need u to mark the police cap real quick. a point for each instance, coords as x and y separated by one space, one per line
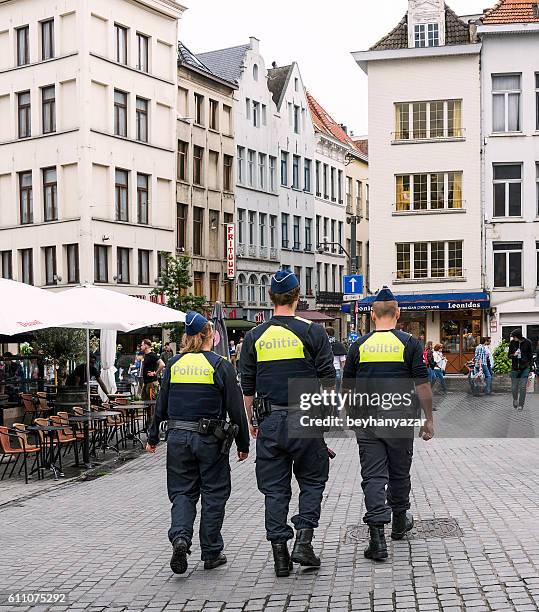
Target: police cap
283 281
194 323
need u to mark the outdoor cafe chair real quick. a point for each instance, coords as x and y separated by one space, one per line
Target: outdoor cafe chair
44 407
30 405
66 437
14 453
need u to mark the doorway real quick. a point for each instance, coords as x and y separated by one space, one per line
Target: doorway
460 334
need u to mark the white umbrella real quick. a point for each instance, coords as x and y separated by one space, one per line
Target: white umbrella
26 308
107 353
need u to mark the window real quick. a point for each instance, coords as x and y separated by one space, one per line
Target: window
227 115
251 226
262 229
143 267
142 198
273 231
255 72
308 234
537 186
264 115
333 236
284 230
508 190
122 195
142 119
198 153
507 264
72 252
308 281
251 289
422 120
199 109
307 165
536 259
101 264
47 39
248 108
182 160
120 113
332 174
435 191
227 172
340 237
317 179
23 45
272 180
284 168
264 286
506 102
122 265
198 283
25 125
48 109
251 157
427 35
213 170
262 170
359 196
429 260
295 171
297 120
241 226
241 164
214 115
214 287
339 186
49 256
7 264
296 233
256 114
537 101
121 44
25 198
325 179
240 288
181 226
27 266
50 193
198 228
349 194
143 57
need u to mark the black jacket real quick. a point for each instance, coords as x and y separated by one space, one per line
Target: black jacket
526 358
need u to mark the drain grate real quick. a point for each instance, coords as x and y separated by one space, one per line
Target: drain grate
428 528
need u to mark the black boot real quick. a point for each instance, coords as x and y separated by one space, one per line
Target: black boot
402 523
281 558
303 552
213 563
377 548
178 561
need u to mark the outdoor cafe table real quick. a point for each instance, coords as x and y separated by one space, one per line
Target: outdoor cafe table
49 450
100 417
131 411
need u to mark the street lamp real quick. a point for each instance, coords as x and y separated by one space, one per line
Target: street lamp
324 246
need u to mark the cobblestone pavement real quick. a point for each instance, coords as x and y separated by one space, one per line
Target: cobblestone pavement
104 542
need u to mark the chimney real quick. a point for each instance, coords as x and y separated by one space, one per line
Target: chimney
344 128
274 64
254 43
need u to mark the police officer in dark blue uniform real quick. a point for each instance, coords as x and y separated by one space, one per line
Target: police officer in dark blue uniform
388 361
199 389
284 351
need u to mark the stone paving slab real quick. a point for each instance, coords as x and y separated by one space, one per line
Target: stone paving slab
104 542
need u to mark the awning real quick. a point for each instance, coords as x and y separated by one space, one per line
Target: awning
314 315
239 324
431 301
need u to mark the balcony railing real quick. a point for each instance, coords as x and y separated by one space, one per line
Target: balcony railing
252 250
241 250
422 276
263 252
274 254
428 135
423 208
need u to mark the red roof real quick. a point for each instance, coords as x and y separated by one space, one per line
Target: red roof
512 11
325 124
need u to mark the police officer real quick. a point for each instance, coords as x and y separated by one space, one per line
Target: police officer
283 351
198 390
385 360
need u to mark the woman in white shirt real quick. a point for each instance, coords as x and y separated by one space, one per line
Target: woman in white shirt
439 368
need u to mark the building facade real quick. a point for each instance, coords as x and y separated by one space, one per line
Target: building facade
510 85
206 175
425 176
88 161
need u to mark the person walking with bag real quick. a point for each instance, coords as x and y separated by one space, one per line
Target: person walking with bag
440 363
482 363
521 354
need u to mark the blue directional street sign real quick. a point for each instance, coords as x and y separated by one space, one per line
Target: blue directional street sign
353 284
353 336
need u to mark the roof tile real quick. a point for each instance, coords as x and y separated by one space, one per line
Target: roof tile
512 11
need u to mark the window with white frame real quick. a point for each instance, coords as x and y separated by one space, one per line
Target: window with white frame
429 260
252 221
428 120
507 264
121 43
308 234
241 288
251 289
307 165
536 259
295 171
241 164
426 35
273 231
284 168
262 222
49 255
432 191
537 186
262 157
297 120
507 190
47 39
297 230
251 171
241 226
143 52
537 101
284 230
27 266
143 267
506 92
256 114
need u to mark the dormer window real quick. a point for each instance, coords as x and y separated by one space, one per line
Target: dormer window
427 35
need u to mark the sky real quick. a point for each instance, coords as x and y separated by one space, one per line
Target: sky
318 35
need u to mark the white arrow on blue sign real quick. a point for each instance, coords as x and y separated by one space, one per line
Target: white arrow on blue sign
352 284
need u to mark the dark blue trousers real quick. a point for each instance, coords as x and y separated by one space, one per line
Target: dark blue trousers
385 474
277 456
196 468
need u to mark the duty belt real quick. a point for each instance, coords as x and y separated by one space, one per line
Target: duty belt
203 426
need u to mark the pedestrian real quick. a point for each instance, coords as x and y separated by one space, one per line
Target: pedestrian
151 368
521 354
199 390
167 353
440 364
79 376
428 359
239 347
286 352
384 359
482 363
232 352
339 355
